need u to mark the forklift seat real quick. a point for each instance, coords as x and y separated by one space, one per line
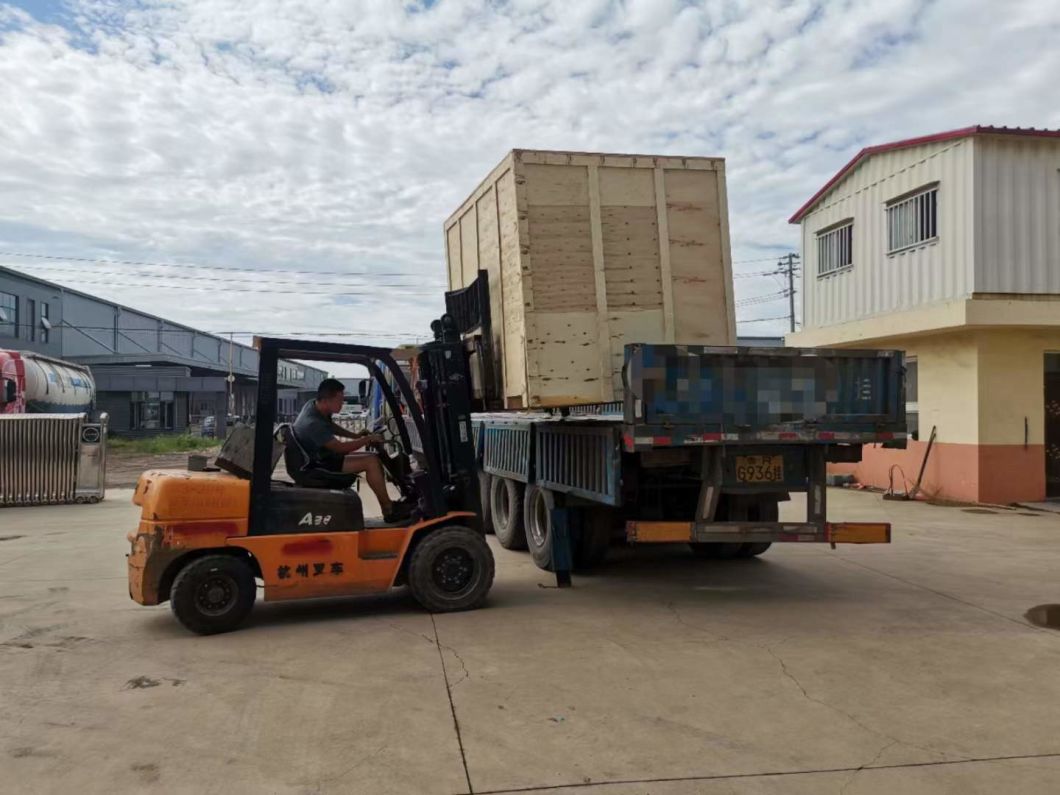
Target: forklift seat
302 469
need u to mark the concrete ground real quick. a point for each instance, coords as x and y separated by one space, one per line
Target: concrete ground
862 670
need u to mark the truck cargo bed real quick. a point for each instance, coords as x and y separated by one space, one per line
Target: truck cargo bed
788 408
693 395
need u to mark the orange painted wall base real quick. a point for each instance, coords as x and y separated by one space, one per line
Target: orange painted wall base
994 473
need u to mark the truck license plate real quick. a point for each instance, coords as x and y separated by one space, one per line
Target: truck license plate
760 468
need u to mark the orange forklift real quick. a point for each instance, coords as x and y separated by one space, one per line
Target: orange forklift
206 538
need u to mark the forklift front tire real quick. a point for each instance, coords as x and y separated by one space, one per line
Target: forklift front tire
451 569
213 594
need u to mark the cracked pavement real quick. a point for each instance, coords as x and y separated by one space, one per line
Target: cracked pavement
860 670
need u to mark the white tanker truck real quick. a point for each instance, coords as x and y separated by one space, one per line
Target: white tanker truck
31 383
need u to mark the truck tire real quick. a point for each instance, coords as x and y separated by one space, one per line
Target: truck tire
716 550
506 510
213 594
451 569
537 519
765 511
762 511
591 549
484 501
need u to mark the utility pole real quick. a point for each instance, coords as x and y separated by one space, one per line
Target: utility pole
790 268
230 380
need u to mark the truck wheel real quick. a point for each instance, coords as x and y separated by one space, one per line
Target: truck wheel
595 541
766 511
716 550
484 501
213 594
537 518
506 508
451 569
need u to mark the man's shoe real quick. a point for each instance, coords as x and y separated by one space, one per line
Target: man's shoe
398 511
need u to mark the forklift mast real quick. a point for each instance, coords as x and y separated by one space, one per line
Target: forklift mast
444 386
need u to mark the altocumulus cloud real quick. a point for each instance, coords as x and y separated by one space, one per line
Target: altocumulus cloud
328 135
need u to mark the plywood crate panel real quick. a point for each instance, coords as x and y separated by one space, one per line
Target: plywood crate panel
588 252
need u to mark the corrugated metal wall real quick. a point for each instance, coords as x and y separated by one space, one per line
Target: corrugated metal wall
1017 181
877 282
38 458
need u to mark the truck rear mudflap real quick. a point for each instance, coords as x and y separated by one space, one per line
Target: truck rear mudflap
638 532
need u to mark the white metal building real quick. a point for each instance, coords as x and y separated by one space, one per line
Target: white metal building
948 247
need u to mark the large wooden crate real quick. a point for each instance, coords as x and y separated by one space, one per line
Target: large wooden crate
587 252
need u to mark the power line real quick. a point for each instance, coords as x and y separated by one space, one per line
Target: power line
145 263
763 319
753 273
233 289
736 262
224 279
61 326
762 299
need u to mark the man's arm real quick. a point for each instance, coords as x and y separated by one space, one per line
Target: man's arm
338 430
352 446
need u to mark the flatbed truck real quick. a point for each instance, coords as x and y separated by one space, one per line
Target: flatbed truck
705 445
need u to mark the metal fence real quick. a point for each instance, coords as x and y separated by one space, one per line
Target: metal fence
51 458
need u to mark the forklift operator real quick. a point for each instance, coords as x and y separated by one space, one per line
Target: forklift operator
318 434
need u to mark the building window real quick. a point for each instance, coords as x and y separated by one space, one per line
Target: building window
912 220
835 249
31 322
45 323
912 407
8 315
152 411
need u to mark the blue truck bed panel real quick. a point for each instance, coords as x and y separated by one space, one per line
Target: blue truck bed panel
505 449
583 460
686 394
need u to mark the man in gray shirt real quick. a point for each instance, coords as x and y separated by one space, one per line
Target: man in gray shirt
319 435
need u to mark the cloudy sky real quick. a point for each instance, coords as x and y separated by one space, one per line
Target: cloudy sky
298 157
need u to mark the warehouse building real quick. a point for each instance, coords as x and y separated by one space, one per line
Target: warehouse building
948 247
152 375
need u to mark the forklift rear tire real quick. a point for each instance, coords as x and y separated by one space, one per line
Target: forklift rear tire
451 569
213 594
484 481
506 509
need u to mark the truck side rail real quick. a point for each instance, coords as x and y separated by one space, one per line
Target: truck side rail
505 448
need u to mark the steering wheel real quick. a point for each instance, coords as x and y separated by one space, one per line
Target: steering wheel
395 463
390 430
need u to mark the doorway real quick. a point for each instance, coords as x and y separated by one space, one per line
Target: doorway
1052 425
